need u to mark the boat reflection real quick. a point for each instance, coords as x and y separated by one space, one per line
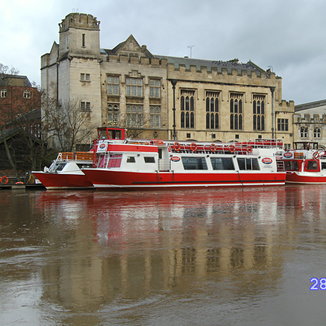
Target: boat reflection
132 245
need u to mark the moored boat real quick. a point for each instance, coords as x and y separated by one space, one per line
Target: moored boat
65 172
158 164
304 166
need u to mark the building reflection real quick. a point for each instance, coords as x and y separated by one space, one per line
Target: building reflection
130 245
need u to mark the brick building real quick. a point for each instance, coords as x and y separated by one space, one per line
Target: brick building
20 122
17 96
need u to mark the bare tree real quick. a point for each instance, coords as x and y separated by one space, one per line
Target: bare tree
135 127
21 136
66 124
5 70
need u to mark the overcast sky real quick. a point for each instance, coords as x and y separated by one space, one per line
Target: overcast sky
287 36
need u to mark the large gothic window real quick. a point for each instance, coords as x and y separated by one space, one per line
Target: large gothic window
134 115
236 115
134 87
259 112
212 110
187 107
113 85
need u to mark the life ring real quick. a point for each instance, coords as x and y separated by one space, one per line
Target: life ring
315 155
4 180
193 147
177 146
231 148
212 148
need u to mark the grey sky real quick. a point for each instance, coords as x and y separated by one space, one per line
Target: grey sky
286 35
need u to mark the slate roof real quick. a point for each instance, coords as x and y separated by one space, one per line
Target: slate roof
219 65
186 61
310 105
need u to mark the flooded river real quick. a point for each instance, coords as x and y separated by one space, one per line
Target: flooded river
242 257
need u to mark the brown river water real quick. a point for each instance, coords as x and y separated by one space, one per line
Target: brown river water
242 257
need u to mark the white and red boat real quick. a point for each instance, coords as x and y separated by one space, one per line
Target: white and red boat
156 163
65 172
304 166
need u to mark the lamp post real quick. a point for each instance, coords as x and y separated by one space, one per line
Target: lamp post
273 113
174 82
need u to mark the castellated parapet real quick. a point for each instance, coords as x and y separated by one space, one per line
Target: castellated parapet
286 106
243 73
307 118
123 58
81 21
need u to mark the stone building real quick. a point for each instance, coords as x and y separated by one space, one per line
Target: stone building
157 96
310 124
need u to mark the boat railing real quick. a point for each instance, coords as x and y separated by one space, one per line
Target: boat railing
76 156
209 148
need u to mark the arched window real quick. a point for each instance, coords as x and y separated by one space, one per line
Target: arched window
187 108
212 107
236 117
258 110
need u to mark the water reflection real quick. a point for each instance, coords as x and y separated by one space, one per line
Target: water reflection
93 258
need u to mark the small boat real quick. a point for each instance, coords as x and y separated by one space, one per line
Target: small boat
160 164
304 166
65 172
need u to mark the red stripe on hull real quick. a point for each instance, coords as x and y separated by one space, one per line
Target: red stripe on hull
295 178
55 180
108 179
132 148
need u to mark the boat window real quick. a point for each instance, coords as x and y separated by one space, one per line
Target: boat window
248 163
291 165
131 159
323 165
59 166
194 163
312 165
149 159
222 163
115 161
84 165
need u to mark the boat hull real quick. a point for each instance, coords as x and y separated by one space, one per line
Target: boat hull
62 181
305 178
102 178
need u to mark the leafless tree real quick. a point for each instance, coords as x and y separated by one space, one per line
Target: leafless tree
135 128
20 133
5 70
66 124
